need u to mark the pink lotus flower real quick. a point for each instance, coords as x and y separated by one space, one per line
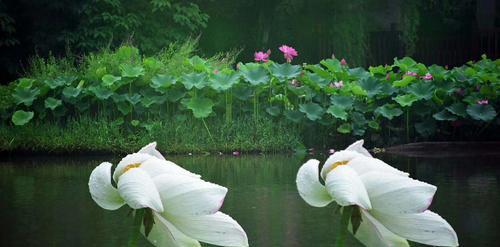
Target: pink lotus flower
482 101
236 153
338 84
387 76
343 62
216 71
411 73
262 56
288 52
427 76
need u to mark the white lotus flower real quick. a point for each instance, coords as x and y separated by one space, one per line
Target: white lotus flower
185 208
393 207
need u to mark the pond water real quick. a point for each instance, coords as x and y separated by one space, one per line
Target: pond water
44 201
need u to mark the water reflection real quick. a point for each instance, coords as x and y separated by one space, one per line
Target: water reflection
45 201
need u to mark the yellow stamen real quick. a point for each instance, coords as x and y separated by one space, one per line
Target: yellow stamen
338 163
135 165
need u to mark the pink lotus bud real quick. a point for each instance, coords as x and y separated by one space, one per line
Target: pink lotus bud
338 84
482 101
236 153
387 76
216 71
411 73
343 62
427 76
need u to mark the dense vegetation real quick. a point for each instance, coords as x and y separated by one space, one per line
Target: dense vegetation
393 103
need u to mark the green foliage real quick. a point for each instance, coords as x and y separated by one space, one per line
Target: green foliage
21 117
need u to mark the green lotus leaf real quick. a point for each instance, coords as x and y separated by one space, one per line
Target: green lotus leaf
333 65
273 110
444 116
148 101
423 90
337 112
101 92
294 116
82 105
134 98
25 82
135 122
21 117
458 109
344 102
404 82
302 92
161 82
199 64
344 128
71 92
25 96
481 112
52 103
201 107
197 80
254 73
358 118
405 64
363 107
405 100
388 111
242 93
312 110
317 80
119 97
437 72
372 86
124 107
318 70
426 128
129 70
60 81
374 125
380 70
109 80
175 94
359 74
224 81
284 71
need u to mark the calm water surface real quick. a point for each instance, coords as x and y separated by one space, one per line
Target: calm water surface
45 201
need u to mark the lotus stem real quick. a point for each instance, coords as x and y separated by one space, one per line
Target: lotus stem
208 130
134 235
344 222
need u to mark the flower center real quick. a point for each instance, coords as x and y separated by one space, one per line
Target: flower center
338 163
131 166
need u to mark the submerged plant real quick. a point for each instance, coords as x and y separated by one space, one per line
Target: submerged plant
381 205
172 206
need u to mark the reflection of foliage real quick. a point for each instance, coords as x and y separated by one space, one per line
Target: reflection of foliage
409 25
151 24
7 28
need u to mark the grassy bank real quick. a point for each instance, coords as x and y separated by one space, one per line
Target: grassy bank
100 135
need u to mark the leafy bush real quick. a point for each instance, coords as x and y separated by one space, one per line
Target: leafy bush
127 87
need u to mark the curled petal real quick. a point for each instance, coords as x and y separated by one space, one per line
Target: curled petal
217 229
426 228
336 158
393 194
134 159
101 189
188 196
346 188
358 147
309 186
155 167
372 233
364 165
164 233
151 150
137 189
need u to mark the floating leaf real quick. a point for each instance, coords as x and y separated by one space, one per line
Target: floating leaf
345 128
344 102
71 92
21 117
273 110
129 70
201 107
52 103
423 90
25 96
109 80
312 110
444 116
405 100
481 112
197 80
284 71
388 111
338 112
224 81
458 109
254 73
